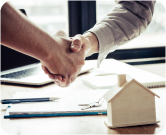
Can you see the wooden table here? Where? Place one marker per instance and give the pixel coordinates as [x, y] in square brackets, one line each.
[93, 124]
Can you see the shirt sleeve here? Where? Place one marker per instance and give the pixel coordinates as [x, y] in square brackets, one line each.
[126, 21]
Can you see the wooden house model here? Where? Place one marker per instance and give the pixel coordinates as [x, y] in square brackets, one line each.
[129, 103]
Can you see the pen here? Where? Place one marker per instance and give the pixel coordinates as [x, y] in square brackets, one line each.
[14, 101]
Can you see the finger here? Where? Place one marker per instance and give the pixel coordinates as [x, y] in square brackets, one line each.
[67, 82]
[57, 78]
[60, 80]
[75, 48]
[60, 33]
[45, 69]
[54, 77]
[77, 42]
[64, 80]
[60, 84]
[57, 83]
[51, 76]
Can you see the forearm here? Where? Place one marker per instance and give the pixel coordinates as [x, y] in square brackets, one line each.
[126, 22]
[18, 33]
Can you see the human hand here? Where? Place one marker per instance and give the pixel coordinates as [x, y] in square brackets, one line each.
[63, 65]
[80, 42]
[87, 41]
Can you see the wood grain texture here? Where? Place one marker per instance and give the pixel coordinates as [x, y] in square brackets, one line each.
[78, 124]
[121, 79]
[133, 105]
[129, 103]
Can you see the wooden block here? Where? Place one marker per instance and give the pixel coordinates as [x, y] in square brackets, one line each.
[129, 103]
[109, 124]
[121, 79]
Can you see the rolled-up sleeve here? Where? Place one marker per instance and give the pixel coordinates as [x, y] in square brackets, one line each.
[126, 21]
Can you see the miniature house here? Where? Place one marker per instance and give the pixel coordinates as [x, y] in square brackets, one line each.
[129, 103]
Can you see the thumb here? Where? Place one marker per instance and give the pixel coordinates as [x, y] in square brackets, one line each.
[77, 43]
[75, 48]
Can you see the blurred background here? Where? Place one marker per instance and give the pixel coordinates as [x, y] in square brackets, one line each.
[52, 15]
[153, 36]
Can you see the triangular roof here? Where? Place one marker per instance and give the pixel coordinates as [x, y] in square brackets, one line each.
[115, 90]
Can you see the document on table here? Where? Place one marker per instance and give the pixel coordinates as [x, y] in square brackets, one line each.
[68, 103]
[106, 78]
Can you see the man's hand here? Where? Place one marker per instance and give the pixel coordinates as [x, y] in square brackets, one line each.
[63, 65]
[54, 52]
[88, 42]
[80, 42]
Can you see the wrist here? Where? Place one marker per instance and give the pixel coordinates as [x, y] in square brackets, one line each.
[94, 42]
[47, 44]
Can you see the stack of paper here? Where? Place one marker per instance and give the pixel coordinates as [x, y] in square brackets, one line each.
[106, 76]
[67, 105]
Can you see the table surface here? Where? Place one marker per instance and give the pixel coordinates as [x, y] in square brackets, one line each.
[91, 124]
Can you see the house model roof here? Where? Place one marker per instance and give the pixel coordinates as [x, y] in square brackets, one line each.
[123, 81]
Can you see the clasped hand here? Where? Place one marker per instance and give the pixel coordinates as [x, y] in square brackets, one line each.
[66, 58]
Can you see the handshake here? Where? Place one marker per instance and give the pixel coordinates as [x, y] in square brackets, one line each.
[61, 57]
[66, 56]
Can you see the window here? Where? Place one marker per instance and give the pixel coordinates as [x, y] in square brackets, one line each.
[148, 48]
[51, 15]
[154, 36]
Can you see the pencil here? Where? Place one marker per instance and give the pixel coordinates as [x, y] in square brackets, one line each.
[14, 101]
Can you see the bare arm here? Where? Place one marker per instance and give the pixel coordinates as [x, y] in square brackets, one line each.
[18, 33]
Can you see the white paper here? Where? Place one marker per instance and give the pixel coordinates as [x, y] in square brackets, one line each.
[68, 102]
